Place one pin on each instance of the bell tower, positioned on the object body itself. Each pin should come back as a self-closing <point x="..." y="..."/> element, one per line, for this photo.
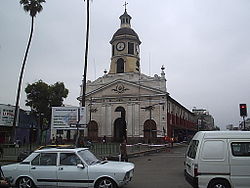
<point x="125" y="48"/>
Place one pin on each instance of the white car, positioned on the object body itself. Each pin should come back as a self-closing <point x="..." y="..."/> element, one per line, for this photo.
<point x="76" y="167"/>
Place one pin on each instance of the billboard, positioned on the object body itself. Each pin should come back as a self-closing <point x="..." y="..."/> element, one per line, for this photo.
<point x="66" y="117"/>
<point x="6" y="115"/>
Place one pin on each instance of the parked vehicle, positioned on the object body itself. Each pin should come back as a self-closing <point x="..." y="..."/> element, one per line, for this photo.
<point x="76" y="167"/>
<point x="219" y="159"/>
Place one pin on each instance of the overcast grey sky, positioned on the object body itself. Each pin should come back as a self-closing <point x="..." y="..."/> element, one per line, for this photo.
<point x="204" y="45"/>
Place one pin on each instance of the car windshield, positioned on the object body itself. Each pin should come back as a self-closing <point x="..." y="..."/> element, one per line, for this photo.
<point x="88" y="157"/>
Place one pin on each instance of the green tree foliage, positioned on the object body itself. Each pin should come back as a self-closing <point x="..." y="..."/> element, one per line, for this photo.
<point x="41" y="97"/>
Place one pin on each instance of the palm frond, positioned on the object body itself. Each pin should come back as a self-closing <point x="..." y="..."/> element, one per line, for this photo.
<point x="32" y="6"/>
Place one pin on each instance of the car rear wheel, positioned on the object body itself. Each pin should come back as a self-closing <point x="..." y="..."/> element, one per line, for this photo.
<point x="219" y="184"/>
<point x="25" y="182"/>
<point x="105" y="183"/>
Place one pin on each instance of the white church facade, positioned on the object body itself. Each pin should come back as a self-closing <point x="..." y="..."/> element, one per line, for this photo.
<point x="126" y="104"/>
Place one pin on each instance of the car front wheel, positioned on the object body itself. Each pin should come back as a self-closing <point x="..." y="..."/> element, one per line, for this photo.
<point x="25" y="182"/>
<point x="219" y="184"/>
<point x="105" y="183"/>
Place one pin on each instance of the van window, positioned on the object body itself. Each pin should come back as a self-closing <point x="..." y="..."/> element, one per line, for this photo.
<point x="192" y="149"/>
<point x="240" y="148"/>
<point x="213" y="150"/>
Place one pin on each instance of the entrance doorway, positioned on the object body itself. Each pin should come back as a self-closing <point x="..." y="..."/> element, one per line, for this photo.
<point x="120" y="131"/>
<point x="120" y="127"/>
<point x="93" y="130"/>
<point x="150" y="133"/>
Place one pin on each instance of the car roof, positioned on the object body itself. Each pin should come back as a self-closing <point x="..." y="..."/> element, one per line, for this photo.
<point x="55" y="146"/>
<point x="223" y="134"/>
<point x="60" y="150"/>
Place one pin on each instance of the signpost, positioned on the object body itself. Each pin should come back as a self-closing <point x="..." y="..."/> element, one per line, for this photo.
<point x="69" y="118"/>
<point x="6" y="115"/>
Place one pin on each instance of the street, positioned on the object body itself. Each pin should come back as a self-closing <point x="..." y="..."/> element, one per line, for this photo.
<point x="160" y="170"/>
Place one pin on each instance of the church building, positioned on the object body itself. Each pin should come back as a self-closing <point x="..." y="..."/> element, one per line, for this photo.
<point x="124" y="103"/>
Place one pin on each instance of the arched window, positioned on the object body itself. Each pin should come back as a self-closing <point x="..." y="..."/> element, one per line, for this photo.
<point x="120" y="66"/>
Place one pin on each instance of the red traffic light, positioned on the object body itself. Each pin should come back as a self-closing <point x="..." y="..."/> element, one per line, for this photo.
<point x="243" y="110"/>
<point x="243" y="106"/>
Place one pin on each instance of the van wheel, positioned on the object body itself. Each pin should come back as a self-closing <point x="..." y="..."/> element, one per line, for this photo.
<point x="219" y="184"/>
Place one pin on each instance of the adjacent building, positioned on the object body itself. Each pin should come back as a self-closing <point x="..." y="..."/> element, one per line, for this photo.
<point x="26" y="130"/>
<point x="204" y="120"/>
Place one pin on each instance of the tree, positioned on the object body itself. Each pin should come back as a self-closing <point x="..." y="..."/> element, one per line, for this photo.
<point x="85" y="57"/>
<point x="41" y="97"/>
<point x="57" y="93"/>
<point x="33" y="7"/>
<point x="85" y="69"/>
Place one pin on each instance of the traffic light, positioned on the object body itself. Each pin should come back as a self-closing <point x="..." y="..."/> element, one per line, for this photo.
<point x="243" y="110"/>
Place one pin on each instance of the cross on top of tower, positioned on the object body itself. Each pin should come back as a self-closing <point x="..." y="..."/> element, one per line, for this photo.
<point x="125" y="5"/>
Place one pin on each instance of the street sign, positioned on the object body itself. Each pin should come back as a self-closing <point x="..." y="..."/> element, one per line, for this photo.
<point x="65" y="117"/>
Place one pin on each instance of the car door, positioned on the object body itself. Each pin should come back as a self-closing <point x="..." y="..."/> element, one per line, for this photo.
<point x="240" y="163"/>
<point x="69" y="174"/>
<point x="43" y="169"/>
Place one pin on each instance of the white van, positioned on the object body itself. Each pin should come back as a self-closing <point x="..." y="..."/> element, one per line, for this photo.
<point x="219" y="159"/>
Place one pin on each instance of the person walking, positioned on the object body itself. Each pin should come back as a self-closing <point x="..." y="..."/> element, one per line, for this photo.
<point x="104" y="140"/>
<point x="1" y="151"/>
<point x="123" y="150"/>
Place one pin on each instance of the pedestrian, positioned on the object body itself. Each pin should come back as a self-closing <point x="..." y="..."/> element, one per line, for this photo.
<point x="104" y="139"/>
<point x="1" y="151"/>
<point x="60" y="140"/>
<point x="24" y="140"/>
<point x="123" y="151"/>
<point x="57" y="140"/>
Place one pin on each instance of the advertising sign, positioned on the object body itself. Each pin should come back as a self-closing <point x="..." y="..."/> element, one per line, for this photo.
<point x="65" y="117"/>
<point x="6" y="115"/>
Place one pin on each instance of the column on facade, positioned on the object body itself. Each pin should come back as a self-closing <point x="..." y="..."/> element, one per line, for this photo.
<point x="133" y="120"/>
<point x="106" y="121"/>
<point x="130" y="120"/>
<point x="136" y="119"/>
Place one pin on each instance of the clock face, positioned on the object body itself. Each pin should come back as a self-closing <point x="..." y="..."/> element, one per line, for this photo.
<point x="120" y="46"/>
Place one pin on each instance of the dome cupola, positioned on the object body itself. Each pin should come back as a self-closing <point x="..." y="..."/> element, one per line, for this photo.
<point x="125" y="47"/>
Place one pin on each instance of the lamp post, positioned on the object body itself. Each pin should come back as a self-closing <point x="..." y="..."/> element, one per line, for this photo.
<point x="150" y="108"/>
<point x="31" y="136"/>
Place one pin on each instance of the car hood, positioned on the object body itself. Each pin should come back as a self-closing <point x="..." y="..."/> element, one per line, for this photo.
<point x="115" y="165"/>
<point x="9" y="167"/>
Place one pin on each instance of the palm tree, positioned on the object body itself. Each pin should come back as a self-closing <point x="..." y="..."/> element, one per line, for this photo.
<point x="86" y="57"/>
<point x="33" y="7"/>
<point x="84" y="71"/>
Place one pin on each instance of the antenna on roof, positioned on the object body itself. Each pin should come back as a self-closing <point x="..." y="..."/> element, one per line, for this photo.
<point x="94" y="67"/>
<point x="149" y="64"/>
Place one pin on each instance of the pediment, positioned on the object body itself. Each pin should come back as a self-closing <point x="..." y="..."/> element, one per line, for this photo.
<point x="124" y="88"/>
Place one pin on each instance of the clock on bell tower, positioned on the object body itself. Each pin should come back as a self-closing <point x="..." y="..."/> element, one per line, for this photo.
<point x="125" y="48"/>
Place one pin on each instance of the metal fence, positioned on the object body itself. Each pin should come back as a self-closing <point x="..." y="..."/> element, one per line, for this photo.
<point x="99" y="149"/>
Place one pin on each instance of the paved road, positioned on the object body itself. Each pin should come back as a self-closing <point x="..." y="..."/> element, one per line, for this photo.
<point x="160" y="170"/>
